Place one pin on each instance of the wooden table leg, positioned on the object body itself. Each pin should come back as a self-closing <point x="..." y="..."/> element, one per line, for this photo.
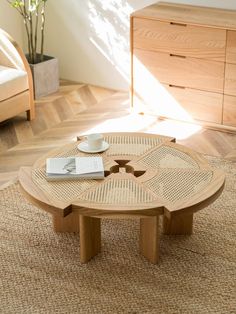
<point x="179" y="224"/>
<point x="69" y="223"/>
<point x="149" y="238"/>
<point x="90" y="237"/>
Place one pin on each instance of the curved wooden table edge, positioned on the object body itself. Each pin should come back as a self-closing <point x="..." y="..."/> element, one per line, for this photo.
<point x="37" y="197"/>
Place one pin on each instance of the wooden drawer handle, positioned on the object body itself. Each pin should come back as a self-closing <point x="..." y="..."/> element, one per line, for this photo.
<point x="178" y="24"/>
<point x="176" y="86"/>
<point x="177" y="56"/>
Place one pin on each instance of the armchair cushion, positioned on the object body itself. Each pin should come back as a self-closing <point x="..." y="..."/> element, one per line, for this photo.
<point x="16" y="85"/>
<point x="12" y="82"/>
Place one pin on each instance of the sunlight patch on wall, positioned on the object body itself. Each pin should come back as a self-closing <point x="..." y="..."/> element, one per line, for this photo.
<point x="107" y="56"/>
<point x="109" y="23"/>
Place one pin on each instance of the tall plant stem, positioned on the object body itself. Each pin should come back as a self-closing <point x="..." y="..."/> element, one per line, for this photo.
<point x="30" y="10"/>
<point x="25" y="15"/>
<point x="31" y="37"/>
<point x="36" y="33"/>
<point x="28" y="40"/>
<point x="26" y="20"/>
<point x="42" y="31"/>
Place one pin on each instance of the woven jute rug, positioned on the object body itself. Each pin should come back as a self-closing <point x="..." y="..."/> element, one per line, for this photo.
<point x="40" y="270"/>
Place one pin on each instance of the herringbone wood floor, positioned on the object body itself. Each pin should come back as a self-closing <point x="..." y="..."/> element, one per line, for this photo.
<point x="79" y="109"/>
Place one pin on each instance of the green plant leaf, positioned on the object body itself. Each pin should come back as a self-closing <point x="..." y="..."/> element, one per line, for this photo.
<point x="17" y="3"/>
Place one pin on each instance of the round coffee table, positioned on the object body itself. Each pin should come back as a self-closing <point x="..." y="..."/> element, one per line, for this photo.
<point x="146" y="176"/>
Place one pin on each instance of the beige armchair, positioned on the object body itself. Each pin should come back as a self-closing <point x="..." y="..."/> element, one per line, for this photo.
<point x="16" y="85"/>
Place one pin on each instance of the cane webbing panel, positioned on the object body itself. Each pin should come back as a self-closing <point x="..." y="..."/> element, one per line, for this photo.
<point x="118" y="192"/>
<point x="130" y="144"/>
<point x="72" y="150"/>
<point x="65" y="190"/>
<point x="168" y="157"/>
<point x="177" y="184"/>
<point x="170" y="174"/>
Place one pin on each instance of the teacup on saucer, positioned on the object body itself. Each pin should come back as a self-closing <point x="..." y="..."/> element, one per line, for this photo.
<point x="94" y="141"/>
<point x="86" y="148"/>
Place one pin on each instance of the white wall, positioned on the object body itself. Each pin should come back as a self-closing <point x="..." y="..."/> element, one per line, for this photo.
<point x="11" y="21"/>
<point x="91" y="38"/>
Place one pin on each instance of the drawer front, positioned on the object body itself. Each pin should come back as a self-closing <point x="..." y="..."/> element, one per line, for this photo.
<point x="200" y="105"/>
<point x="186" y="40"/>
<point x="230" y="79"/>
<point x="231" y="47"/>
<point x="229" y="110"/>
<point x="187" y="72"/>
<point x="181" y="103"/>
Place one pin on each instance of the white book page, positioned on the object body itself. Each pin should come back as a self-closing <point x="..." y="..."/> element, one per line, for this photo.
<point x="61" y="165"/>
<point x="89" y="165"/>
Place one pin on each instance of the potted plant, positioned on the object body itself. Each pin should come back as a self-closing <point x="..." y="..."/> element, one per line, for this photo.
<point x="44" y="68"/>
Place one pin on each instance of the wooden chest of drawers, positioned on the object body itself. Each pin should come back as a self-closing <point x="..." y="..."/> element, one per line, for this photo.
<point x="183" y="63"/>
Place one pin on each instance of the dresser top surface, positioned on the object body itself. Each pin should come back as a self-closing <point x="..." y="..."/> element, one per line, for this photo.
<point x="189" y="14"/>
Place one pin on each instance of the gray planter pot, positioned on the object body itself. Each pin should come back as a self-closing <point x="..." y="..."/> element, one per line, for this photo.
<point x="45" y="77"/>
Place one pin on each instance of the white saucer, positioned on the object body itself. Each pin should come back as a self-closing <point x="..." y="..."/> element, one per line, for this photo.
<point x="83" y="147"/>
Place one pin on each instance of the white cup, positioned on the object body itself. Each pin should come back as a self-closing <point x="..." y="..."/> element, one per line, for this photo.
<point x="94" y="141"/>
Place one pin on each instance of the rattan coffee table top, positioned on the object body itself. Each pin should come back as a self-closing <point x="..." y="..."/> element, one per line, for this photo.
<point x="143" y="172"/>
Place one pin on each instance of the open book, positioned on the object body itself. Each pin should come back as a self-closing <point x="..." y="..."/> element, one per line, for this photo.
<point x="74" y="168"/>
